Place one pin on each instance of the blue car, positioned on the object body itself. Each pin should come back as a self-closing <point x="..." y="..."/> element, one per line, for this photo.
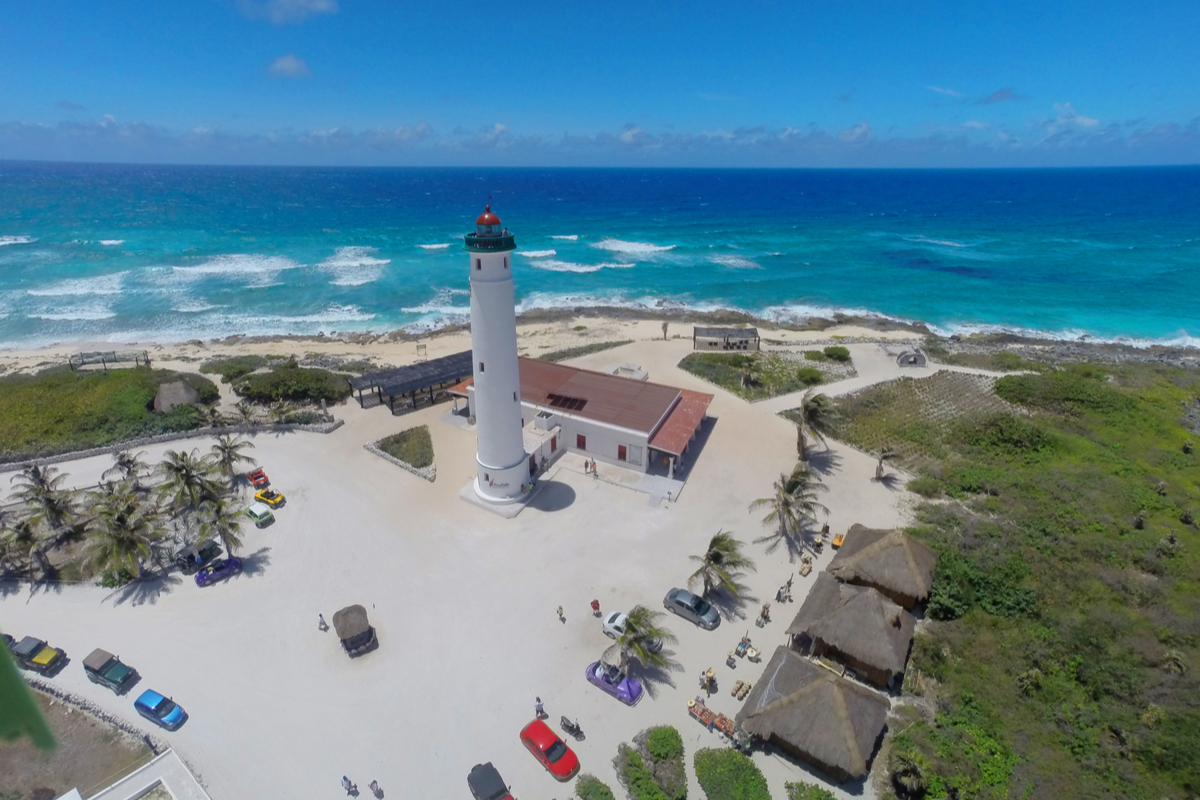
<point x="160" y="710"/>
<point x="218" y="570"/>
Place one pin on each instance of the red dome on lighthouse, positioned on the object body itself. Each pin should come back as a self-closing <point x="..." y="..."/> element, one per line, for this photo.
<point x="487" y="217"/>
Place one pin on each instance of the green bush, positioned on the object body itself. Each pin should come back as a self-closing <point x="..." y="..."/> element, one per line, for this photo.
<point x="1075" y="389"/>
<point x="664" y="742"/>
<point x="1006" y="434"/>
<point x="413" y="446"/>
<point x="809" y="376"/>
<point x="807" y="791"/>
<point x="925" y="486"/>
<point x="815" y="355"/>
<point x="60" y="410"/>
<point x="589" y="787"/>
<point x="111" y="580"/>
<point x="290" y="382"/>
<point x="729" y="775"/>
<point x="837" y="352"/>
<point x="230" y="368"/>
<point x="635" y="777"/>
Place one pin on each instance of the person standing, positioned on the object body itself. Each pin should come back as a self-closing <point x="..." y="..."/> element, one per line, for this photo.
<point x="561" y="618"/>
<point x="374" y="787"/>
<point x="348" y="785"/>
<point x="322" y="625"/>
<point x="539" y="710"/>
<point x="596" y="608"/>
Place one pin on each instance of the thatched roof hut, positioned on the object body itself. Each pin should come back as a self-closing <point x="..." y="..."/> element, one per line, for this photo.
<point x="858" y="626"/>
<point x="889" y="560"/>
<point x="830" y="722"/>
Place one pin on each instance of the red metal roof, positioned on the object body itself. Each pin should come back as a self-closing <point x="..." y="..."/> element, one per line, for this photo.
<point x="598" y="396"/>
<point x="460" y="389"/>
<point x="677" y="431"/>
<point x="487" y="217"/>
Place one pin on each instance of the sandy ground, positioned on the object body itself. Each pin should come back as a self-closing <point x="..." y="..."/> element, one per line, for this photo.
<point x="464" y="601"/>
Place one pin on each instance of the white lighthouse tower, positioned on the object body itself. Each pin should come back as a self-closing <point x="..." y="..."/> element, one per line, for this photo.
<point x="501" y="462"/>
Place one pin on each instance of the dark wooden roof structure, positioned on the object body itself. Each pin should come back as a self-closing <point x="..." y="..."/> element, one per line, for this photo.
<point x="421" y="377"/>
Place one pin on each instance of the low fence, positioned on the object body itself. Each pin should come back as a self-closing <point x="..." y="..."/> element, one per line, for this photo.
<point x="110" y="358"/>
<point x="195" y="433"/>
<point x="428" y="473"/>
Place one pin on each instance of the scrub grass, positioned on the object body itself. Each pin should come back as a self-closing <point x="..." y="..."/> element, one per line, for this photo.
<point x="756" y="376"/>
<point x="59" y="410"/>
<point x="582" y="350"/>
<point x="1063" y="646"/>
<point x="413" y="446"/>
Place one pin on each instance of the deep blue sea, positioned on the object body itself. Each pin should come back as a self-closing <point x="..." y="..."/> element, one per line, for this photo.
<point x="139" y="253"/>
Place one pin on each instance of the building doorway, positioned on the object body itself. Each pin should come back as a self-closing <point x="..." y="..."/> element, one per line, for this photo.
<point x="580" y="441"/>
<point x="622" y="453"/>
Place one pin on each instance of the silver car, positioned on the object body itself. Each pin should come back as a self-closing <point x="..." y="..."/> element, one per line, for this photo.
<point x="692" y="608"/>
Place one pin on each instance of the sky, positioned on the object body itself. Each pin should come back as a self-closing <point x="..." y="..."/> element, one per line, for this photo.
<point x="834" y="83"/>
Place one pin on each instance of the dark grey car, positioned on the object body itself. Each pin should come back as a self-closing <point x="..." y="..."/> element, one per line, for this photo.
<point x="692" y="608"/>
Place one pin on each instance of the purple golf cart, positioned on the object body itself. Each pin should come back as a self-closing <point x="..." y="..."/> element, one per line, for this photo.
<point x="613" y="680"/>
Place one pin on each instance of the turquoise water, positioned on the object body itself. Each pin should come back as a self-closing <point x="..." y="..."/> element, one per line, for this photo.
<point x="122" y="253"/>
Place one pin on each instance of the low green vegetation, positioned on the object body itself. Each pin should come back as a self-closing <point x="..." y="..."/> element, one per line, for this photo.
<point x="837" y="353"/>
<point x="412" y="446"/>
<point x="998" y="360"/>
<point x="582" y="350"/>
<point x="589" y="787"/>
<point x="807" y="791"/>
<point x="291" y="382"/>
<point x="59" y="410"/>
<point x="1062" y="656"/>
<point x="728" y="775"/>
<point x="637" y="779"/>
<point x="753" y="376"/>
<point x="230" y="368"/>
<point x="652" y="768"/>
<point x="815" y="355"/>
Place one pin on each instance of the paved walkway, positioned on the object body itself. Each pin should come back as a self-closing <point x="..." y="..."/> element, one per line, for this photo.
<point x="166" y="770"/>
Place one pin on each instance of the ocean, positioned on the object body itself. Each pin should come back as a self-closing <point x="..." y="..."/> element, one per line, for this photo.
<point x="170" y="253"/>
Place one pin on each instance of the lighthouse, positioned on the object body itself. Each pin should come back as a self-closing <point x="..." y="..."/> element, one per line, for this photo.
<point x="502" y="467"/>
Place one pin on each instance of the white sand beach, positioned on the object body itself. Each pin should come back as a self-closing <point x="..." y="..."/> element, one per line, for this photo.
<point x="464" y="601"/>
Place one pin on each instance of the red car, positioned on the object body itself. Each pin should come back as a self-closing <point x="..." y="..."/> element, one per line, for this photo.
<point x="550" y="750"/>
<point x="258" y="478"/>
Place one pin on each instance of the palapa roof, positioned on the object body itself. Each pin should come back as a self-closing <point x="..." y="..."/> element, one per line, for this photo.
<point x="833" y="720"/>
<point x="351" y="621"/>
<point x="890" y="559"/>
<point x="858" y="621"/>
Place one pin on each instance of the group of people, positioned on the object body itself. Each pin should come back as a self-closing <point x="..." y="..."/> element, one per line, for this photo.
<point x="589" y="467"/>
<point x="351" y="787"/>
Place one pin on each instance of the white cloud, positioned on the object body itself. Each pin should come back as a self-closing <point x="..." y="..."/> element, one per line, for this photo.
<point x="1069" y="116"/>
<point x="940" y="90"/>
<point x="857" y="134"/>
<point x="282" y="12"/>
<point x="975" y="124"/>
<point x="289" y="67"/>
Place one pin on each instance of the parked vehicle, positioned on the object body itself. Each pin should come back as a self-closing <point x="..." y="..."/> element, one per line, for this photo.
<point x="218" y="570"/>
<point x="614" y="627"/>
<point x="551" y="751"/>
<point x="486" y="784"/>
<point x="692" y="608"/>
<point x="270" y="497"/>
<point x="613" y="680"/>
<point x="258" y="478"/>
<point x="33" y="653"/>
<point x="160" y="710"/>
<point x="104" y="668"/>
<point x="261" y="515"/>
<point x="195" y="556"/>
<point x="354" y="630"/>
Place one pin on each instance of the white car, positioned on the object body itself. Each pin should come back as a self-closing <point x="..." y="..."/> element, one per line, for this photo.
<point x="614" y="628"/>
<point x="261" y="514"/>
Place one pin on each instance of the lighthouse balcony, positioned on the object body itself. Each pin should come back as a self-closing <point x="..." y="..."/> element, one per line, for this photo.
<point x="485" y="244"/>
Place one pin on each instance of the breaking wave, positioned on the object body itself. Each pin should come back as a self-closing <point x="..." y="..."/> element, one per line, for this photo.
<point x="537" y="253"/>
<point x="631" y="248"/>
<point x="88" y="311"/>
<point x="354" y="266"/>
<point x="258" y="271"/>
<point x="7" y="240"/>
<point x="101" y="284"/>
<point x="433" y="246"/>
<point x="735" y="262"/>
<point x="111" y="242"/>
<point x="553" y="265"/>
<point x="574" y="237"/>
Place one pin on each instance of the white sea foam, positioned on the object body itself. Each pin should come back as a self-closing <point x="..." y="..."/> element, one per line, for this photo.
<point x="193" y="307"/>
<point x="943" y="242"/>
<point x="257" y="271"/>
<point x="111" y="242"/>
<point x="101" y="284"/>
<point x="537" y="253"/>
<point x="735" y="262"/>
<point x="631" y="248"/>
<point x="433" y="246"/>
<point x="442" y="302"/>
<point x="7" y="240"/>
<point x="354" y="266"/>
<point x="553" y="265"/>
<point x="574" y="237"/>
<point x="87" y="311"/>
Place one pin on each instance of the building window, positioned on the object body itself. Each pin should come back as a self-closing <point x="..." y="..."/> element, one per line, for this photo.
<point x="580" y="441"/>
<point x="553" y="443"/>
<point x="487" y="477"/>
<point x="514" y="397"/>
<point x="481" y="366"/>
<point x="506" y="262"/>
<point x="479" y="263"/>
<point x="622" y="453"/>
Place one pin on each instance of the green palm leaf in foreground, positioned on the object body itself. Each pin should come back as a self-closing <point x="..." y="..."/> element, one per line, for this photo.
<point x="722" y="564"/>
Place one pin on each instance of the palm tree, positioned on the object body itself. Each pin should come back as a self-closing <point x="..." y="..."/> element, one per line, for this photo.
<point x="220" y="520"/>
<point x="49" y="507"/>
<point x="280" y="411"/>
<point x="721" y="565"/>
<point x="212" y="416"/>
<point x="22" y="537"/>
<point x="813" y="419"/>
<point x="793" y="501"/>
<point x="642" y="641"/>
<point x="122" y="530"/>
<point x="187" y="480"/>
<point x="881" y="456"/>
<point x="226" y="454"/>
<point x="127" y="466"/>
<point x="245" y="413"/>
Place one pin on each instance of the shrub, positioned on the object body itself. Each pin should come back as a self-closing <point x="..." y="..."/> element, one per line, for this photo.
<point x="1006" y="434"/>
<point x="815" y="355"/>
<point x="637" y="780"/>
<point x="589" y="787"/>
<point x="837" y="353"/>
<point x="110" y="579"/>
<point x="1078" y="388"/>
<point x="290" y="382"/>
<point x="809" y="376"/>
<point x="413" y="446"/>
<point x="664" y="742"/>
<point x="729" y="775"/>
<point x="925" y="486"/>
<point x="807" y="791"/>
<point x="233" y="367"/>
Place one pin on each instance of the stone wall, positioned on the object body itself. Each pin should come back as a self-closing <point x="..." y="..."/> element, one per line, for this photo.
<point x="196" y="433"/>
<point x="88" y="707"/>
<point x="428" y="473"/>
